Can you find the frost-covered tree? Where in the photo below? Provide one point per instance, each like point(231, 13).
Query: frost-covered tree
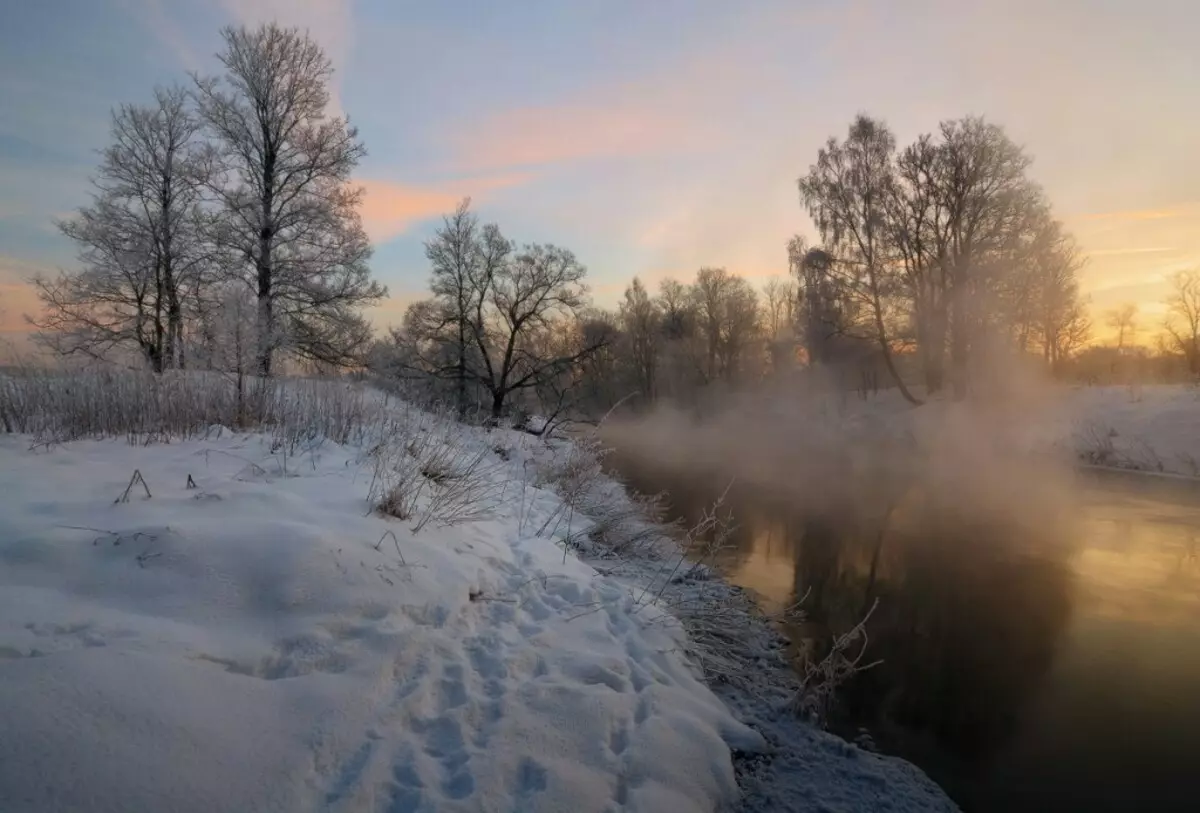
point(465, 259)
point(141, 242)
point(281, 168)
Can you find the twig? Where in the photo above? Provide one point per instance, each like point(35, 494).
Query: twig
point(136, 478)
point(386, 534)
point(142, 558)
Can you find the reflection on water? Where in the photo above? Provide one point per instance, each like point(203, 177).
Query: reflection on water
point(1052, 668)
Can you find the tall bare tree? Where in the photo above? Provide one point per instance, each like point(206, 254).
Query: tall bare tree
point(989, 208)
point(140, 241)
point(1123, 319)
point(541, 284)
point(1183, 317)
point(847, 193)
point(464, 261)
point(640, 321)
point(1061, 319)
point(726, 310)
point(282, 168)
point(918, 227)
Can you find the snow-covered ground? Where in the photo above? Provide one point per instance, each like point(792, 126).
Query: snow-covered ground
point(251, 636)
point(1147, 428)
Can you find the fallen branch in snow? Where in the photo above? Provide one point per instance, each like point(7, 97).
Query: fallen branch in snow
point(136, 478)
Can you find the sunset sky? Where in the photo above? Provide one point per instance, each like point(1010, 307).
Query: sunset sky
point(650, 136)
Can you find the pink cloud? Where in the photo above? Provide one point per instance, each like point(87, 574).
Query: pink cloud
point(390, 209)
point(16, 300)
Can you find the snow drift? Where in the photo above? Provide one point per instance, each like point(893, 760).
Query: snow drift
point(254, 644)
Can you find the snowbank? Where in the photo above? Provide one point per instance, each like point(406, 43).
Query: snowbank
point(1146, 428)
point(252, 643)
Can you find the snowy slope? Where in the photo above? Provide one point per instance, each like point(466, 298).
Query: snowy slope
point(244, 646)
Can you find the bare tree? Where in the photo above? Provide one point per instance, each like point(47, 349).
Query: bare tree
point(918, 227)
point(641, 323)
point(1063, 324)
point(1123, 320)
point(988, 208)
point(539, 285)
point(140, 241)
point(1183, 317)
point(287, 211)
point(779, 296)
point(464, 262)
point(726, 310)
point(682, 359)
point(846, 193)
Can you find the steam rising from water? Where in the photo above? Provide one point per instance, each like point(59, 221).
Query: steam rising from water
point(973, 464)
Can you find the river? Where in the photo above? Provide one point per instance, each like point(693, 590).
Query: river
point(1058, 673)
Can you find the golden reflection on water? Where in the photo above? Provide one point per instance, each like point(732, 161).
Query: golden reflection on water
point(1139, 560)
point(1135, 559)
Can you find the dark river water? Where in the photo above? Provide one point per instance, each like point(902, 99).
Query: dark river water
point(1059, 673)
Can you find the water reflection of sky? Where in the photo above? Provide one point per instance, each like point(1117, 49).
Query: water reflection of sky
point(1115, 718)
point(1139, 561)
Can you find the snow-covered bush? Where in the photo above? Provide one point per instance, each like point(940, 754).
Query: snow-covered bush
point(432, 469)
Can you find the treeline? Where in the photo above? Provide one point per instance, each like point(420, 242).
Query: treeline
point(223, 232)
point(1170, 354)
point(929, 259)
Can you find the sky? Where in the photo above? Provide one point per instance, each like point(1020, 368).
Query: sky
point(651, 138)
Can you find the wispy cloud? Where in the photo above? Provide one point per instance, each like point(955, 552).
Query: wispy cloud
point(1121, 252)
point(539, 136)
point(390, 209)
point(1187, 210)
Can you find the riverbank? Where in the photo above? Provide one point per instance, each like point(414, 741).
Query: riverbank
point(739, 649)
point(1007, 580)
point(223, 620)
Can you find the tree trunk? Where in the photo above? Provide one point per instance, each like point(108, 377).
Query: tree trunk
point(885, 349)
point(498, 404)
point(933, 351)
point(959, 347)
point(263, 269)
point(462, 363)
point(265, 321)
point(171, 347)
